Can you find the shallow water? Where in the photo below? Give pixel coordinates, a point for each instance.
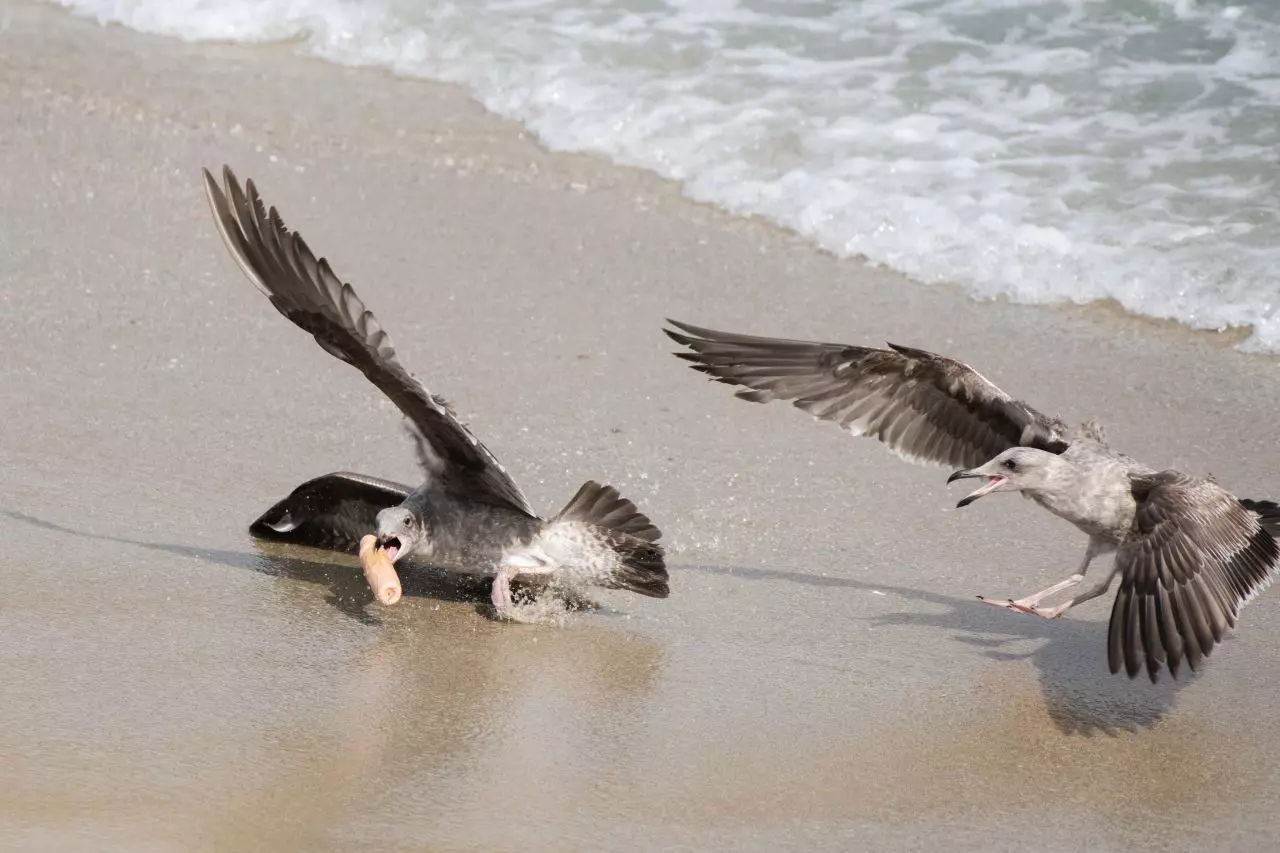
(1061, 150)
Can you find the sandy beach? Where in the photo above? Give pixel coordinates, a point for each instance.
(822, 677)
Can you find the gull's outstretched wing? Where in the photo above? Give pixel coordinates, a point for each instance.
(1194, 557)
(333, 511)
(306, 291)
(925, 407)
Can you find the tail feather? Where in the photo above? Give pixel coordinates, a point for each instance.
(629, 532)
(604, 507)
(642, 567)
(1268, 514)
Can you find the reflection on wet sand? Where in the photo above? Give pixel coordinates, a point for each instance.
(431, 700)
(433, 689)
(436, 723)
(1008, 756)
(348, 591)
(434, 694)
(1082, 697)
(1003, 755)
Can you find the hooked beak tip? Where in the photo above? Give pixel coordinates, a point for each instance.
(994, 483)
(958, 475)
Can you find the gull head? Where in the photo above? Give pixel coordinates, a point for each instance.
(1016, 469)
(399, 532)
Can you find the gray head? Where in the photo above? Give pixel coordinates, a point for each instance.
(1015, 470)
(399, 532)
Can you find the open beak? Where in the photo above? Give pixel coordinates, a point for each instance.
(392, 545)
(993, 482)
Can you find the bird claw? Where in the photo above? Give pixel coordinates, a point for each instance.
(1010, 604)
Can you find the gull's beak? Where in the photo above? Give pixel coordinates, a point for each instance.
(393, 546)
(994, 481)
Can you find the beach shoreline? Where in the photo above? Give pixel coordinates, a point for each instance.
(176, 686)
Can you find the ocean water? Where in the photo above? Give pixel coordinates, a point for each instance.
(1069, 150)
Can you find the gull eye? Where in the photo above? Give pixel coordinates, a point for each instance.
(1010, 465)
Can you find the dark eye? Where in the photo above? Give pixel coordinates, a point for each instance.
(1011, 465)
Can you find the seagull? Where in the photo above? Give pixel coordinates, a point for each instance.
(1188, 553)
(468, 513)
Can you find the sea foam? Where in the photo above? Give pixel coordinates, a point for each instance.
(1072, 150)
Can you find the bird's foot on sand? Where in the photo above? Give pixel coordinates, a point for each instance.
(1022, 606)
(504, 609)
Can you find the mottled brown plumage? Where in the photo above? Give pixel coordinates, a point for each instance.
(307, 292)
(468, 513)
(1194, 557)
(1188, 553)
(925, 407)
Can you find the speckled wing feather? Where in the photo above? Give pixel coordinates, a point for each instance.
(332, 511)
(1194, 557)
(925, 407)
(306, 291)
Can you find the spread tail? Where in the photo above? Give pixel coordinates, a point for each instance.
(633, 537)
(1268, 514)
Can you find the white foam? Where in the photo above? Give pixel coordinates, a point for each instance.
(1052, 151)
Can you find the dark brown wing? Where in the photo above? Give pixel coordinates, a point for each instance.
(333, 511)
(1194, 557)
(306, 291)
(924, 407)
(1268, 513)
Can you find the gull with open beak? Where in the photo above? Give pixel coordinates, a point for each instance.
(1188, 553)
(468, 513)
(995, 482)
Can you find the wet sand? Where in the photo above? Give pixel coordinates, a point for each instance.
(822, 677)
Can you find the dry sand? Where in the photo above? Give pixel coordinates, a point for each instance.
(822, 677)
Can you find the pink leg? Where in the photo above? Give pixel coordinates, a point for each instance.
(1055, 612)
(1030, 604)
(501, 594)
(503, 606)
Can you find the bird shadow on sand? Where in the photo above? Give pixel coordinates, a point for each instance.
(347, 590)
(1081, 696)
